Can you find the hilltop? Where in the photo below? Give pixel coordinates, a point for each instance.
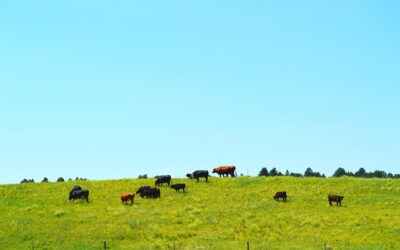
(222, 214)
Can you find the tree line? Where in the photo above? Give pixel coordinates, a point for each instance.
(361, 173)
(59, 179)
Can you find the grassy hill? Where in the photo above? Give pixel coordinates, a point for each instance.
(222, 214)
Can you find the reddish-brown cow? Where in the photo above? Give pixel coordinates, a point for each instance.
(225, 170)
(125, 197)
(335, 198)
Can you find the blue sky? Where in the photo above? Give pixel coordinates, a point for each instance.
(106, 89)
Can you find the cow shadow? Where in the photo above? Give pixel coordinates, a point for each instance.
(79, 202)
(181, 192)
(280, 201)
(337, 206)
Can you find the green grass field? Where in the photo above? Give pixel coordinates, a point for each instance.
(222, 214)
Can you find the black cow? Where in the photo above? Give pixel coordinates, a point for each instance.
(141, 189)
(79, 194)
(335, 198)
(76, 187)
(280, 195)
(162, 179)
(179, 186)
(199, 174)
(150, 193)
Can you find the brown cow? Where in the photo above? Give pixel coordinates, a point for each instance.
(335, 198)
(225, 170)
(125, 197)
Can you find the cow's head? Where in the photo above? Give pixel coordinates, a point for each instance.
(214, 170)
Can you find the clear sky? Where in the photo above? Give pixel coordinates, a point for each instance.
(114, 89)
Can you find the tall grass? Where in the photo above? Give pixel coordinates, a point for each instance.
(221, 214)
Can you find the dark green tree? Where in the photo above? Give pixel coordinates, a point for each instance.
(308, 172)
(60, 179)
(263, 172)
(273, 172)
(296, 175)
(317, 174)
(45, 179)
(379, 174)
(360, 173)
(339, 172)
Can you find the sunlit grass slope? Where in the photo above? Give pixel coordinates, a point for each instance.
(222, 214)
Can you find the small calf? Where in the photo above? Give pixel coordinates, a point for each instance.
(179, 186)
(280, 195)
(335, 198)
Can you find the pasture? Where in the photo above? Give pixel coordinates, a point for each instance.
(224, 213)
